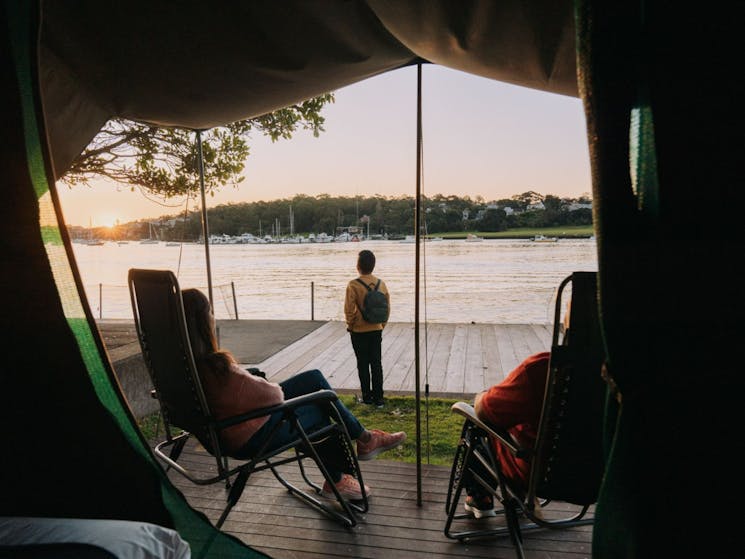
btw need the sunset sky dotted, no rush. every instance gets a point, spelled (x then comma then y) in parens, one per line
(480, 137)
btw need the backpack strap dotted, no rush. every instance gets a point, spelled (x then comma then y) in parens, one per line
(376, 288)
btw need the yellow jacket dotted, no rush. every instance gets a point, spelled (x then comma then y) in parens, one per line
(354, 301)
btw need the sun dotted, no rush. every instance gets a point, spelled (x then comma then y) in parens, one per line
(106, 220)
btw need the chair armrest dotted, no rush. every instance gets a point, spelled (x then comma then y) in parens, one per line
(312, 398)
(502, 435)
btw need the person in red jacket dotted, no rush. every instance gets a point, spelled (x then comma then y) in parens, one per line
(515, 405)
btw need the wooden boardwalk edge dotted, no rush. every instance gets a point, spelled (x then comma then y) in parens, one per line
(461, 359)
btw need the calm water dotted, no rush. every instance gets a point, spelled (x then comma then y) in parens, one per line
(494, 281)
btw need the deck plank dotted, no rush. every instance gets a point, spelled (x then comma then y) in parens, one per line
(455, 372)
(493, 372)
(473, 371)
(439, 348)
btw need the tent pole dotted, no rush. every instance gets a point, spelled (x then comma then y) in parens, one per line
(417, 234)
(205, 225)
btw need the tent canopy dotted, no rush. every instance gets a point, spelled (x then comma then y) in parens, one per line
(203, 64)
(665, 122)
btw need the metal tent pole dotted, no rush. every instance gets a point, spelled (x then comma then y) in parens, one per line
(205, 225)
(417, 234)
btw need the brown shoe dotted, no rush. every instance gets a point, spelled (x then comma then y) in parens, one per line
(348, 487)
(380, 441)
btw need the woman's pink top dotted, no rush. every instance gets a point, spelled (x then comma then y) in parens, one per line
(236, 393)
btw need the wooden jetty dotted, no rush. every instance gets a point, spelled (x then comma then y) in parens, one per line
(461, 359)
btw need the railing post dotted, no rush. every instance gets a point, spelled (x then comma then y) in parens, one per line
(235, 302)
(100, 300)
(312, 309)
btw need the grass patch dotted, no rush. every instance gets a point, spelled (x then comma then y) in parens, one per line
(398, 414)
(151, 426)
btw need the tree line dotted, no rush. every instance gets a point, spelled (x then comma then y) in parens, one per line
(378, 215)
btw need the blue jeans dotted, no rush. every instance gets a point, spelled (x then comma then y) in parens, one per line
(311, 416)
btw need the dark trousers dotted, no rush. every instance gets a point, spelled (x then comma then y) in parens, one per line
(367, 350)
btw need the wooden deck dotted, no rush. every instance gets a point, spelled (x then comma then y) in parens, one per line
(462, 359)
(272, 521)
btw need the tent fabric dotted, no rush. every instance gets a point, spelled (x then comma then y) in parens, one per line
(70, 445)
(665, 121)
(202, 64)
(662, 144)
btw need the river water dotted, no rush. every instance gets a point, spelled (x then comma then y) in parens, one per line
(493, 281)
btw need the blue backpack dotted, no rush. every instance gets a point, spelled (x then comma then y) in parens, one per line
(375, 306)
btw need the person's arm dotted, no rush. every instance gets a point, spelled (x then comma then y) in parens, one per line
(350, 306)
(257, 392)
(388, 297)
(478, 406)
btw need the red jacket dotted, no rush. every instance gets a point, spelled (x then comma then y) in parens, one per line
(515, 404)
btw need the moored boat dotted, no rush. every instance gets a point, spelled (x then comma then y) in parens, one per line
(544, 239)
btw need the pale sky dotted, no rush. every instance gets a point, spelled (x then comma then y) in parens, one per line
(480, 137)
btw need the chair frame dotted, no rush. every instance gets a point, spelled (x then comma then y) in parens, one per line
(477, 444)
(207, 428)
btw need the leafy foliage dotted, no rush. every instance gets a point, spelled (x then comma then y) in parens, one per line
(165, 162)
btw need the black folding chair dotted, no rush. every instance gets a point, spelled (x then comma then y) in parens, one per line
(161, 327)
(566, 461)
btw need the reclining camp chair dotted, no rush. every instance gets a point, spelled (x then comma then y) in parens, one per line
(162, 331)
(566, 461)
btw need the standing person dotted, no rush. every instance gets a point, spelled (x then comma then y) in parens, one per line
(231, 390)
(366, 336)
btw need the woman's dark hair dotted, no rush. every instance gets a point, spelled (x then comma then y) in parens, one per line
(366, 261)
(207, 355)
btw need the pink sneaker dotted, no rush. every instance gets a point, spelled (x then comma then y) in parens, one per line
(380, 441)
(348, 487)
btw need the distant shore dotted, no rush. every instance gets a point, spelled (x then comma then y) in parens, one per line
(565, 232)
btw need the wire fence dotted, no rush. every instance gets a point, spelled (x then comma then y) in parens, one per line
(292, 300)
(112, 301)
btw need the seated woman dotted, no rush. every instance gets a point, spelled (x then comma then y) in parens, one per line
(230, 390)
